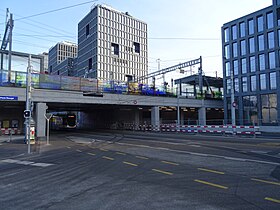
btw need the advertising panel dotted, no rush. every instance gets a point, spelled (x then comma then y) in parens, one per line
(49, 81)
(89, 84)
(70, 83)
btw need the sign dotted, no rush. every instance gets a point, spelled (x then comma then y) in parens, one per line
(9, 98)
(48, 116)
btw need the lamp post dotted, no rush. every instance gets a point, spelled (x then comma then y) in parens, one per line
(233, 103)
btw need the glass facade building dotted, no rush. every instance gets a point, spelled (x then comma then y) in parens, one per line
(251, 49)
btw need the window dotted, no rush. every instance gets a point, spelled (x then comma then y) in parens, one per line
(270, 37)
(228, 86)
(243, 66)
(115, 49)
(244, 84)
(262, 81)
(236, 85)
(250, 111)
(87, 29)
(251, 26)
(242, 29)
(136, 47)
(269, 20)
(271, 59)
(227, 55)
(234, 49)
(226, 34)
(235, 67)
(252, 64)
(272, 81)
(89, 63)
(261, 62)
(227, 69)
(243, 47)
(234, 32)
(253, 83)
(260, 23)
(278, 15)
(269, 108)
(252, 45)
(261, 42)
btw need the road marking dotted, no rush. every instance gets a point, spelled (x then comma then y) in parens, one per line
(128, 163)
(120, 153)
(170, 163)
(22, 162)
(108, 158)
(201, 154)
(194, 145)
(211, 184)
(265, 181)
(89, 153)
(163, 172)
(272, 199)
(78, 150)
(104, 150)
(68, 147)
(141, 157)
(211, 171)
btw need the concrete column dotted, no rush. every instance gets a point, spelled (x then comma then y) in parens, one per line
(40, 119)
(155, 116)
(202, 116)
(182, 119)
(136, 117)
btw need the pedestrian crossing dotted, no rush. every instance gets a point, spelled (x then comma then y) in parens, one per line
(24, 162)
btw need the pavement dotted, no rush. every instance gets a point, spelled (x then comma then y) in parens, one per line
(8, 138)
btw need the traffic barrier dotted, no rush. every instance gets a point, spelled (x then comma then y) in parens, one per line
(8, 131)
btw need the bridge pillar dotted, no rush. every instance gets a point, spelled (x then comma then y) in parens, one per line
(155, 116)
(202, 116)
(40, 119)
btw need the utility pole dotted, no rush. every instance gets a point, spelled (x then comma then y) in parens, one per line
(11, 25)
(178, 109)
(28, 102)
(233, 103)
(200, 81)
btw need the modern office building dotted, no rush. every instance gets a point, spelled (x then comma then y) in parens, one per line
(112, 45)
(251, 52)
(60, 52)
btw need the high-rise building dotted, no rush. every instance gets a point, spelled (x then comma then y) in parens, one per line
(112, 45)
(251, 51)
(59, 53)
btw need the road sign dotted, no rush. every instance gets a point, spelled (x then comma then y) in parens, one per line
(48, 116)
(26, 113)
(9, 98)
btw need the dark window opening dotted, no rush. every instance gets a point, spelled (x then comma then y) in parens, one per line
(115, 49)
(89, 63)
(87, 30)
(136, 47)
(278, 16)
(50, 69)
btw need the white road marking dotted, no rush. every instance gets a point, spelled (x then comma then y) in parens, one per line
(202, 154)
(22, 162)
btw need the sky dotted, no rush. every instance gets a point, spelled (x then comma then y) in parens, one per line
(178, 30)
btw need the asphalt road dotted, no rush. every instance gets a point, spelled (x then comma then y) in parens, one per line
(102, 170)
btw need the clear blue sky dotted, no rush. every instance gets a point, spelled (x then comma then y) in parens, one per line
(197, 22)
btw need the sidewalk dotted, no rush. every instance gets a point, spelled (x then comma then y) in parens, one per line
(8, 138)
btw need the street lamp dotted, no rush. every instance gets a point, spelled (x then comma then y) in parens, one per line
(233, 103)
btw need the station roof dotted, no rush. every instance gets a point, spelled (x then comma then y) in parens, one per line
(194, 79)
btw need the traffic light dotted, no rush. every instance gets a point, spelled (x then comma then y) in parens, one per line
(27, 113)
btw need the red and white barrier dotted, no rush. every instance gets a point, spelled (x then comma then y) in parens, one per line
(8, 131)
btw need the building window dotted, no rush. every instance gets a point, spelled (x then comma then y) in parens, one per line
(250, 110)
(89, 63)
(226, 34)
(262, 81)
(234, 49)
(236, 85)
(252, 45)
(243, 47)
(234, 32)
(269, 19)
(228, 86)
(261, 62)
(272, 81)
(270, 37)
(227, 55)
(115, 50)
(261, 42)
(271, 59)
(252, 64)
(244, 84)
(235, 67)
(260, 23)
(278, 15)
(243, 66)
(136, 47)
(269, 108)
(253, 83)
(242, 29)
(251, 26)
(227, 69)
(87, 29)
